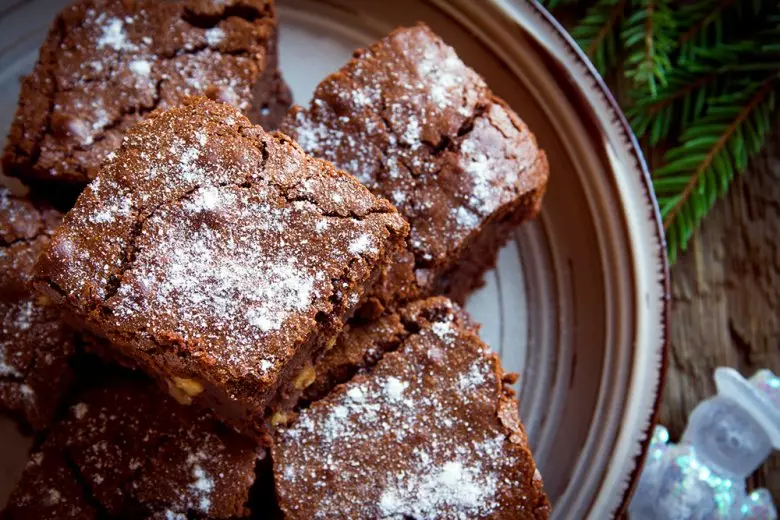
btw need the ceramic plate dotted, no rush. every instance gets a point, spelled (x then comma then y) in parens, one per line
(577, 304)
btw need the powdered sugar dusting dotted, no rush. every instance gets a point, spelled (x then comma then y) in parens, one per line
(324, 141)
(206, 199)
(208, 454)
(115, 206)
(24, 315)
(114, 36)
(291, 291)
(487, 174)
(35, 343)
(477, 375)
(141, 67)
(214, 36)
(431, 490)
(444, 331)
(394, 388)
(27, 392)
(7, 369)
(231, 84)
(362, 244)
(446, 77)
(411, 135)
(80, 410)
(466, 219)
(100, 119)
(321, 225)
(233, 265)
(411, 439)
(203, 484)
(231, 280)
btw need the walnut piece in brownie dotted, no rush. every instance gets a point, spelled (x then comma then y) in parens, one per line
(126, 451)
(108, 63)
(35, 345)
(416, 125)
(219, 258)
(430, 432)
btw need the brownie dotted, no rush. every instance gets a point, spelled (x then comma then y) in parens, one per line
(125, 451)
(35, 345)
(363, 343)
(416, 125)
(219, 258)
(108, 63)
(432, 431)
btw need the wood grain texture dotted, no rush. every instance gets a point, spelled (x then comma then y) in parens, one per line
(726, 297)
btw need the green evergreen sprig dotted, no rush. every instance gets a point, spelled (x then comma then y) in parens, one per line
(710, 23)
(711, 152)
(703, 76)
(598, 33)
(552, 4)
(649, 39)
(691, 85)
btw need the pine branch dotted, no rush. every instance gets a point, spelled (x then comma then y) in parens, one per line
(552, 4)
(684, 91)
(649, 40)
(709, 23)
(712, 150)
(771, 35)
(704, 74)
(690, 86)
(697, 18)
(596, 33)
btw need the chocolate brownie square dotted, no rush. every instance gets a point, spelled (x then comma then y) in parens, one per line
(413, 123)
(35, 345)
(432, 431)
(126, 451)
(108, 63)
(219, 258)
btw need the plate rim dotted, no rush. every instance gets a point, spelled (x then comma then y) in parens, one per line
(600, 88)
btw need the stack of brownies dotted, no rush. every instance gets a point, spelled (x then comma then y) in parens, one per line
(232, 322)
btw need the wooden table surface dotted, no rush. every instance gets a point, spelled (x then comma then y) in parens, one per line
(726, 297)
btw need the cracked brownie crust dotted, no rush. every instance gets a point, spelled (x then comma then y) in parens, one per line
(125, 451)
(430, 432)
(363, 343)
(218, 257)
(108, 63)
(419, 127)
(35, 345)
